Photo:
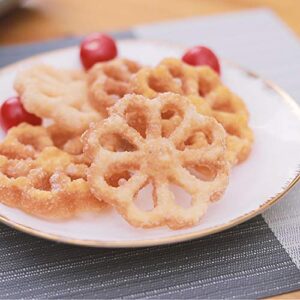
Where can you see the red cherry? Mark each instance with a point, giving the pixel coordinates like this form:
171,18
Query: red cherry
12,113
97,47
199,56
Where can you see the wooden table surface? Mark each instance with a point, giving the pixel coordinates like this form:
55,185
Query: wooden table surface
40,20
45,19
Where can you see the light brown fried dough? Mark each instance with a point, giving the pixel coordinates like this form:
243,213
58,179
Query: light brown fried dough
204,88
68,142
59,95
109,81
39,178
51,186
149,154
25,141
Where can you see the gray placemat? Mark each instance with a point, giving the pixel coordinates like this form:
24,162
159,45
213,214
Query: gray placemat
247,261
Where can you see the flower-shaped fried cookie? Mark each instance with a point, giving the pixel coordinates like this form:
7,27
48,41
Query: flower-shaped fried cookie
25,141
59,95
41,179
110,81
50,186
204,88
131,149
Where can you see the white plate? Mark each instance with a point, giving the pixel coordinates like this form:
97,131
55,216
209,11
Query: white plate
270,171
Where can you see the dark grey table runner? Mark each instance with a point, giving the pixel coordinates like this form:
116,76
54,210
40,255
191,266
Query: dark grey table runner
247,261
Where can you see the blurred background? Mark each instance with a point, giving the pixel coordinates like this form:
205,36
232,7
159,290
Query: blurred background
37,20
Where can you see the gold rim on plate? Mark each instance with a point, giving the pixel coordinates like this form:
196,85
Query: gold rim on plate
177,238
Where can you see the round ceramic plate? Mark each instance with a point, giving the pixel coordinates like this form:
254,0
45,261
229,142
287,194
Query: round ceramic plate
270,171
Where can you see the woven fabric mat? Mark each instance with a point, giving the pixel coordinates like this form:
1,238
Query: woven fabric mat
256,259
